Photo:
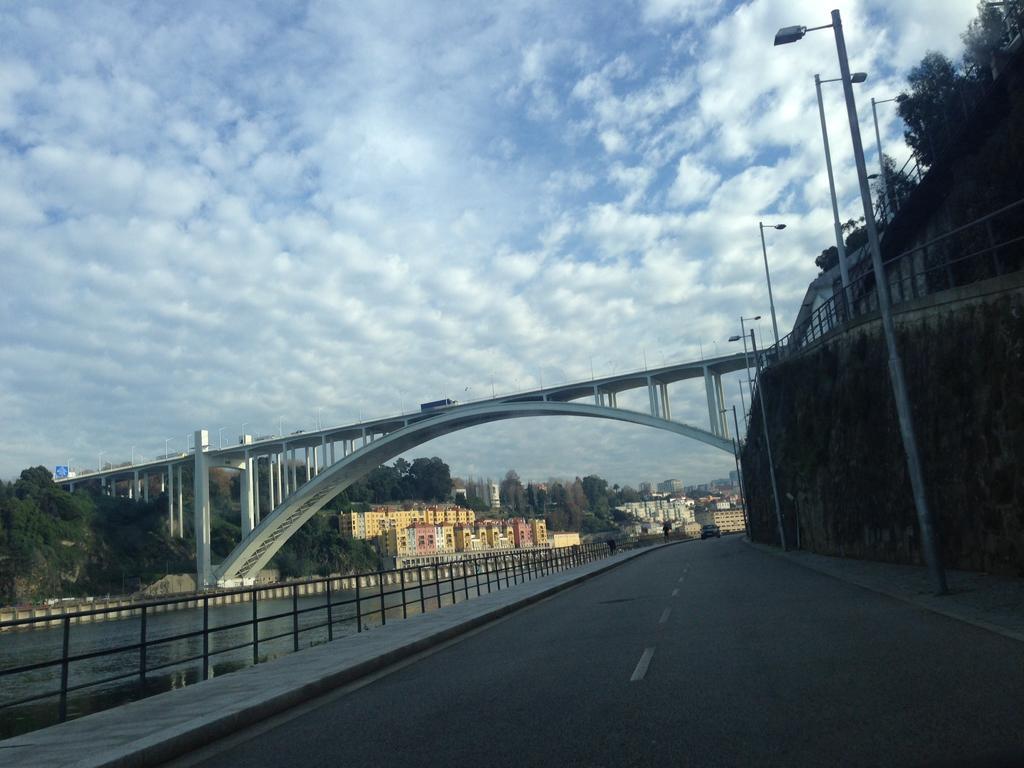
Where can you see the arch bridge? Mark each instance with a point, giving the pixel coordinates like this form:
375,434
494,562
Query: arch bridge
328,469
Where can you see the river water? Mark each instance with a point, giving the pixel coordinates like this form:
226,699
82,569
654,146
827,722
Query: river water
167,663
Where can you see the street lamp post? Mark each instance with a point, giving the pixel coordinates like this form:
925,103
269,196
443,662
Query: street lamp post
244,425
167,442
768,445
743,335
929,544
858,77
739,472
133,455
893,203
767,275
220,437
99,462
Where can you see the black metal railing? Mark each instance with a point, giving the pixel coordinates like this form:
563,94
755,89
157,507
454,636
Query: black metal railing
374,598
987,247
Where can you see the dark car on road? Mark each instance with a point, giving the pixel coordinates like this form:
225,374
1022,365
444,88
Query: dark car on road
710,530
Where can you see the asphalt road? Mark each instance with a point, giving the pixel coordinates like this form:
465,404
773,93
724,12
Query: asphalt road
705,653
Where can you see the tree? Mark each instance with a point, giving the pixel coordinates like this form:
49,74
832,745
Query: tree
855,236
983,37
928,110
511,493
430,479
575,504
893,184
596,490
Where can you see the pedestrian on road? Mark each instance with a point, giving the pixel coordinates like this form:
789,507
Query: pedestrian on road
611,546
666,528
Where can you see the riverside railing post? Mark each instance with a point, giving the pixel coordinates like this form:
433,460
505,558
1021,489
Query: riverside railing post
206,638
295,617
437,583
476,572
142,652
255,628
359,613
423,597
330,610
401,579
380,591
63,711
929,545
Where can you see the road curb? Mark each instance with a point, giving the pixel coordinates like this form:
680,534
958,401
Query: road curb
175,742
925,605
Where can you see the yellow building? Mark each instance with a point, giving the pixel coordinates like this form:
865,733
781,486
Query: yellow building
564,539
369,525
445,537
393,542
539,530
465,541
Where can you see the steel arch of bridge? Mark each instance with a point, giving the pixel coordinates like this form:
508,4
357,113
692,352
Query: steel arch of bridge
255,551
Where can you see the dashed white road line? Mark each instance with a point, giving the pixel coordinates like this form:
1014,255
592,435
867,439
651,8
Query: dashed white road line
641,666
675,592
664,615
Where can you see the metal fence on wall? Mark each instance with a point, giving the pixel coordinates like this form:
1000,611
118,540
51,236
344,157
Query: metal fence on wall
987,247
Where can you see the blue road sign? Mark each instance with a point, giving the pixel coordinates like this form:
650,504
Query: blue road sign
60,471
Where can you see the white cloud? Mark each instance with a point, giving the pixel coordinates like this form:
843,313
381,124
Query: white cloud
694,182
221,215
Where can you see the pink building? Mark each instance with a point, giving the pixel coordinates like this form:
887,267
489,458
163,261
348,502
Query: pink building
421,538
521,533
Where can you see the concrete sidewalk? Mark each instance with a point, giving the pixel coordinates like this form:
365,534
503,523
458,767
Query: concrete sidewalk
994,603
162,727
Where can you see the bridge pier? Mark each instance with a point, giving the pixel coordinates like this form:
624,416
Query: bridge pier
286,473
201,501
170,500
248,510
278,480
714,417
723,422
256,489
181,501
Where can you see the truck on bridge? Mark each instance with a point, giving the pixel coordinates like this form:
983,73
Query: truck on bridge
435,404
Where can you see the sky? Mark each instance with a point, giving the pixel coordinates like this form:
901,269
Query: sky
220,214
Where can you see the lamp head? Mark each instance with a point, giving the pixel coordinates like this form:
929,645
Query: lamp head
789,35
780,226
858,77
735,338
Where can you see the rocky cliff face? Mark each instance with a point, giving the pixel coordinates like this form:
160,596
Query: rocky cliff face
837,445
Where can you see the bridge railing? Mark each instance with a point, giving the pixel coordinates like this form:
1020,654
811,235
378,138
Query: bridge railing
987,247
296,614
